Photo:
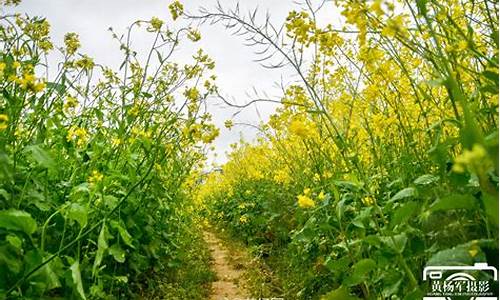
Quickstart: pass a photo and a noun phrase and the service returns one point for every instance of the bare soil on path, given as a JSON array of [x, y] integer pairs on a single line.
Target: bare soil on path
[[230, 283]]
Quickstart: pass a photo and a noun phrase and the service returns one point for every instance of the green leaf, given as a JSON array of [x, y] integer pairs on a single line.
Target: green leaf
[[337, 265], [38, 199], [491, 75], [102, 246], [363, 217], [121, 279], [117, 252], [490, 204], [341, 293], [461, 255], [417, 293], [340, 209], [77, 279], [404, 193], [4, 194], [360, 271], [426, 179], [10, 259], [77, 213], [348, 185], [49, 277], [391, 282], [403, 213], [126, 237], [81, 188], [454, 201], [45, 278], [15, 241], [396, 242], [373, 240], [17, 220], [41, 156]]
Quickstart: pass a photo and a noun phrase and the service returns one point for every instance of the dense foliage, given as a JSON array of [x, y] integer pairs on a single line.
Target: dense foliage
[[382, 159], [93, 164]]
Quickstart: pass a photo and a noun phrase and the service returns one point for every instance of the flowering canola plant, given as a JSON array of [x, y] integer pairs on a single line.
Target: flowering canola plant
[[375, 161]]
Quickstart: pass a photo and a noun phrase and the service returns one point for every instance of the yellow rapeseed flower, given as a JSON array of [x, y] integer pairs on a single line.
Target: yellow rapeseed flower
[[194, 35], [176, 9], [301, 128], [305, 202], [72, 42], [95, 178], [4, 119], [156, 23], [70, 104], [470, 158], [228, 124], [77, 134], [368, 201]]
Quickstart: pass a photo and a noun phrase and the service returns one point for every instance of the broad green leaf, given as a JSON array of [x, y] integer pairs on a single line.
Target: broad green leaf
[[17, 220], [341, 293], [45, 278], [117, 252], [391, 282], [363, 216], [126, 237], [404, 193], [360, 271], [396, 242], [81, 188], [38, 199], [15, 241], [4, 194], [305, 235], [110, 201], [417, 293], [373, 240], [10, 259], [426, 179], [77, 213], [403, 213], [102, 246], [491, 207], [49, 277], [41, 156], [77, 279], [461, 255], [337, 265], [454, 201]]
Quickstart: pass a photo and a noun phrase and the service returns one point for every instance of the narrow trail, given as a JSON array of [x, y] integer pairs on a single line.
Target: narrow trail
[[229, 284]]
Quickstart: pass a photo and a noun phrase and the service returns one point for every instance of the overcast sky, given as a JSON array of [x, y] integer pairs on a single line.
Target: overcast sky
[[237, 73]]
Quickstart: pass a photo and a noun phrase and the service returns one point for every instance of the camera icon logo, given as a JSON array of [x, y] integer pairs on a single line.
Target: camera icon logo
[[477, 282]]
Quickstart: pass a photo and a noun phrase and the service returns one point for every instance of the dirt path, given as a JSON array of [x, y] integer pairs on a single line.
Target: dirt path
[[229, 284]]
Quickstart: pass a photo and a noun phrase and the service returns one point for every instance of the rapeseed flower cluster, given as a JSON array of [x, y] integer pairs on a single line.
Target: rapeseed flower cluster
[[4, 122], [78, 135]]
